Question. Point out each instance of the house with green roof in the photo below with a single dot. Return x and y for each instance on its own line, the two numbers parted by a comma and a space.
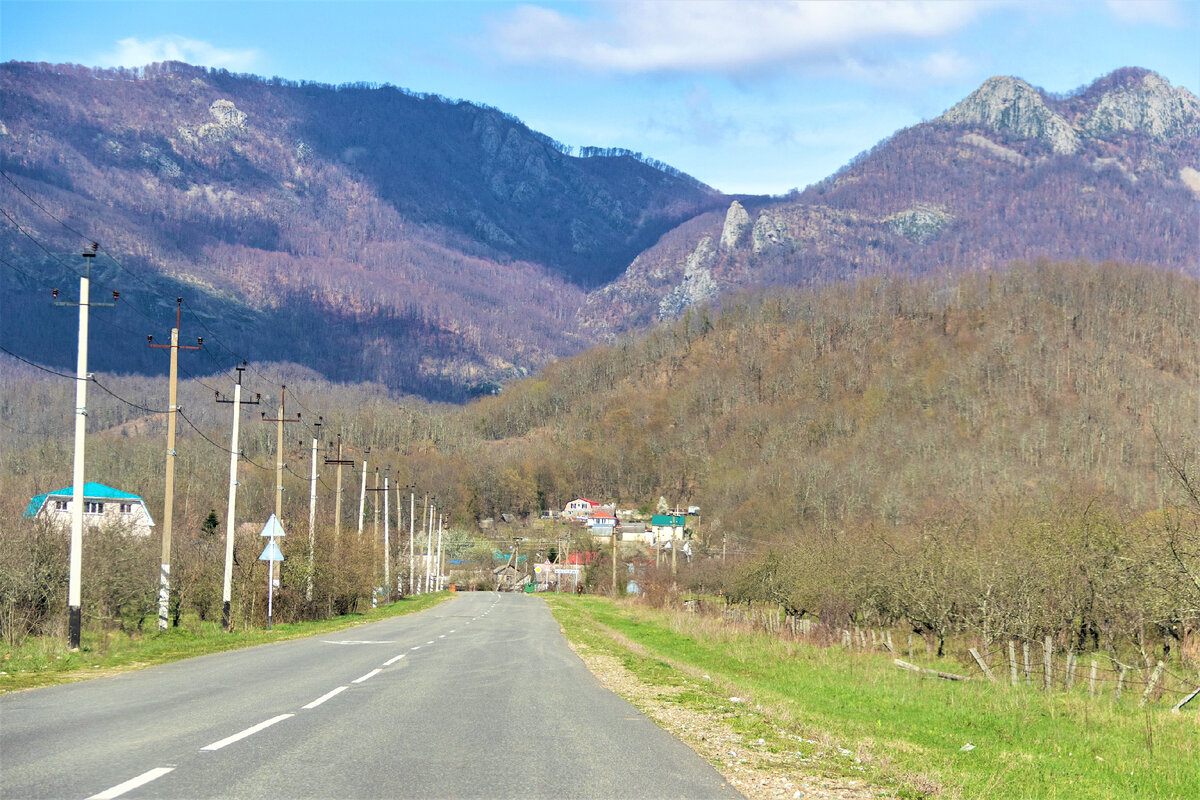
102, 505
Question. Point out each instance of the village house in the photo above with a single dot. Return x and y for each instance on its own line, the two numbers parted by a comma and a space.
667, 527
102, 505
580, 507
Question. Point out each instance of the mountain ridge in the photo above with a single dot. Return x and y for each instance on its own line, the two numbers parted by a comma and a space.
441, 247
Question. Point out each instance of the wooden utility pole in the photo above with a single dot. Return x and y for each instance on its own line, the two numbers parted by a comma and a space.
339, 462
75, 557
282, 418
164, 579
234, 454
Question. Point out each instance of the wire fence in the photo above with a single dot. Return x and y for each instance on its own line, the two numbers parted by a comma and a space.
1014, 662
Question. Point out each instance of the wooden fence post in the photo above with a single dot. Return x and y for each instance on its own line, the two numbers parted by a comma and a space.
910, 643
1120, 683
1092, 682
1185, 701
982, 665
845, 638
1028, 665
1070, 669
888, 643
1012, 661
1158, 668
1047, 662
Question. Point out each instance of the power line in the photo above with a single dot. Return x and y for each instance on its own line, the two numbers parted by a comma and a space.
38, 366
29, 236
127, 402
30, 198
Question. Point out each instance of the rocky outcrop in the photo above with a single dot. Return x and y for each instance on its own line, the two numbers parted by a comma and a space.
698, 284
769, 231
1010, 105
736, 221
1149, 105
921, 223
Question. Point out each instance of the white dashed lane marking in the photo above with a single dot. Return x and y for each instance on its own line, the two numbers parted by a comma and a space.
131, 784
228, 740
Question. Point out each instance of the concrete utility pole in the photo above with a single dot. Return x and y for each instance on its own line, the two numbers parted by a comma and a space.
387, 549
75, 562
438, 578
282, 418
234, 454
164, 579
614, 544
337, 504
362, 494
412, 535
312, 510
429, 547
375, 503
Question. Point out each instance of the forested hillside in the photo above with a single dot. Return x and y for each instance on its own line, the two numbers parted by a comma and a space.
439, 247
1000, 452
883, 400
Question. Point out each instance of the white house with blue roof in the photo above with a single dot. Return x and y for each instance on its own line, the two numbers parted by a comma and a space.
102, 505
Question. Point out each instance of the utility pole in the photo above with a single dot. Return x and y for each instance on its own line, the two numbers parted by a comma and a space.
234, 453
312, 510
282, 418
375, 503
75, 563
412, 535
438, 578
387, 550
362, 494
164, 579
337, 503
429, 546
614, 577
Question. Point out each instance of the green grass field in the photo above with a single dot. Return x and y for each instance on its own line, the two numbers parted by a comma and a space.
833, 712
44, 661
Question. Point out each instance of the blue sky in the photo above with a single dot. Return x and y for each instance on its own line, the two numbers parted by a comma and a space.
755, 96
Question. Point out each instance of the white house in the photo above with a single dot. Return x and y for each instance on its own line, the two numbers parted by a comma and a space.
580, 507
600, 519
101, 505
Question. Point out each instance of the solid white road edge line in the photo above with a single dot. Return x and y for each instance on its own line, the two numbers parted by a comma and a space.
131, 784
324, 697
368, 676
228, 740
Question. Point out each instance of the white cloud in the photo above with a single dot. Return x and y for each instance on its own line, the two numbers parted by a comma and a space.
722, 36
1156, 12
134, 52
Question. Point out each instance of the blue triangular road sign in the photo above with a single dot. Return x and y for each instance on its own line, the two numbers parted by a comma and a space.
272, 528
271, 552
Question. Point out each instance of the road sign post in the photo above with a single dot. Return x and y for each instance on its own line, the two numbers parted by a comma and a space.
271, 554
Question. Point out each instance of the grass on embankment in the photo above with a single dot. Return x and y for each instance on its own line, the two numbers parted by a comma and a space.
44, 661
833, 712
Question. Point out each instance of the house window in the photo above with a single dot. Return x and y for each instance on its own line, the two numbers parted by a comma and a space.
95, 508
60, 505
126, 508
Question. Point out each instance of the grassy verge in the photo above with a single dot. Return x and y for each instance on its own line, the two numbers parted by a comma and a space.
827, 711
45, 661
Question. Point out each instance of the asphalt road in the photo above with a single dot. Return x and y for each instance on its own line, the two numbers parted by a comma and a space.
479, 697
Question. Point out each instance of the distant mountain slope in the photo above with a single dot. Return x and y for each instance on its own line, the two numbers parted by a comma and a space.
436, 246
1010, 173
